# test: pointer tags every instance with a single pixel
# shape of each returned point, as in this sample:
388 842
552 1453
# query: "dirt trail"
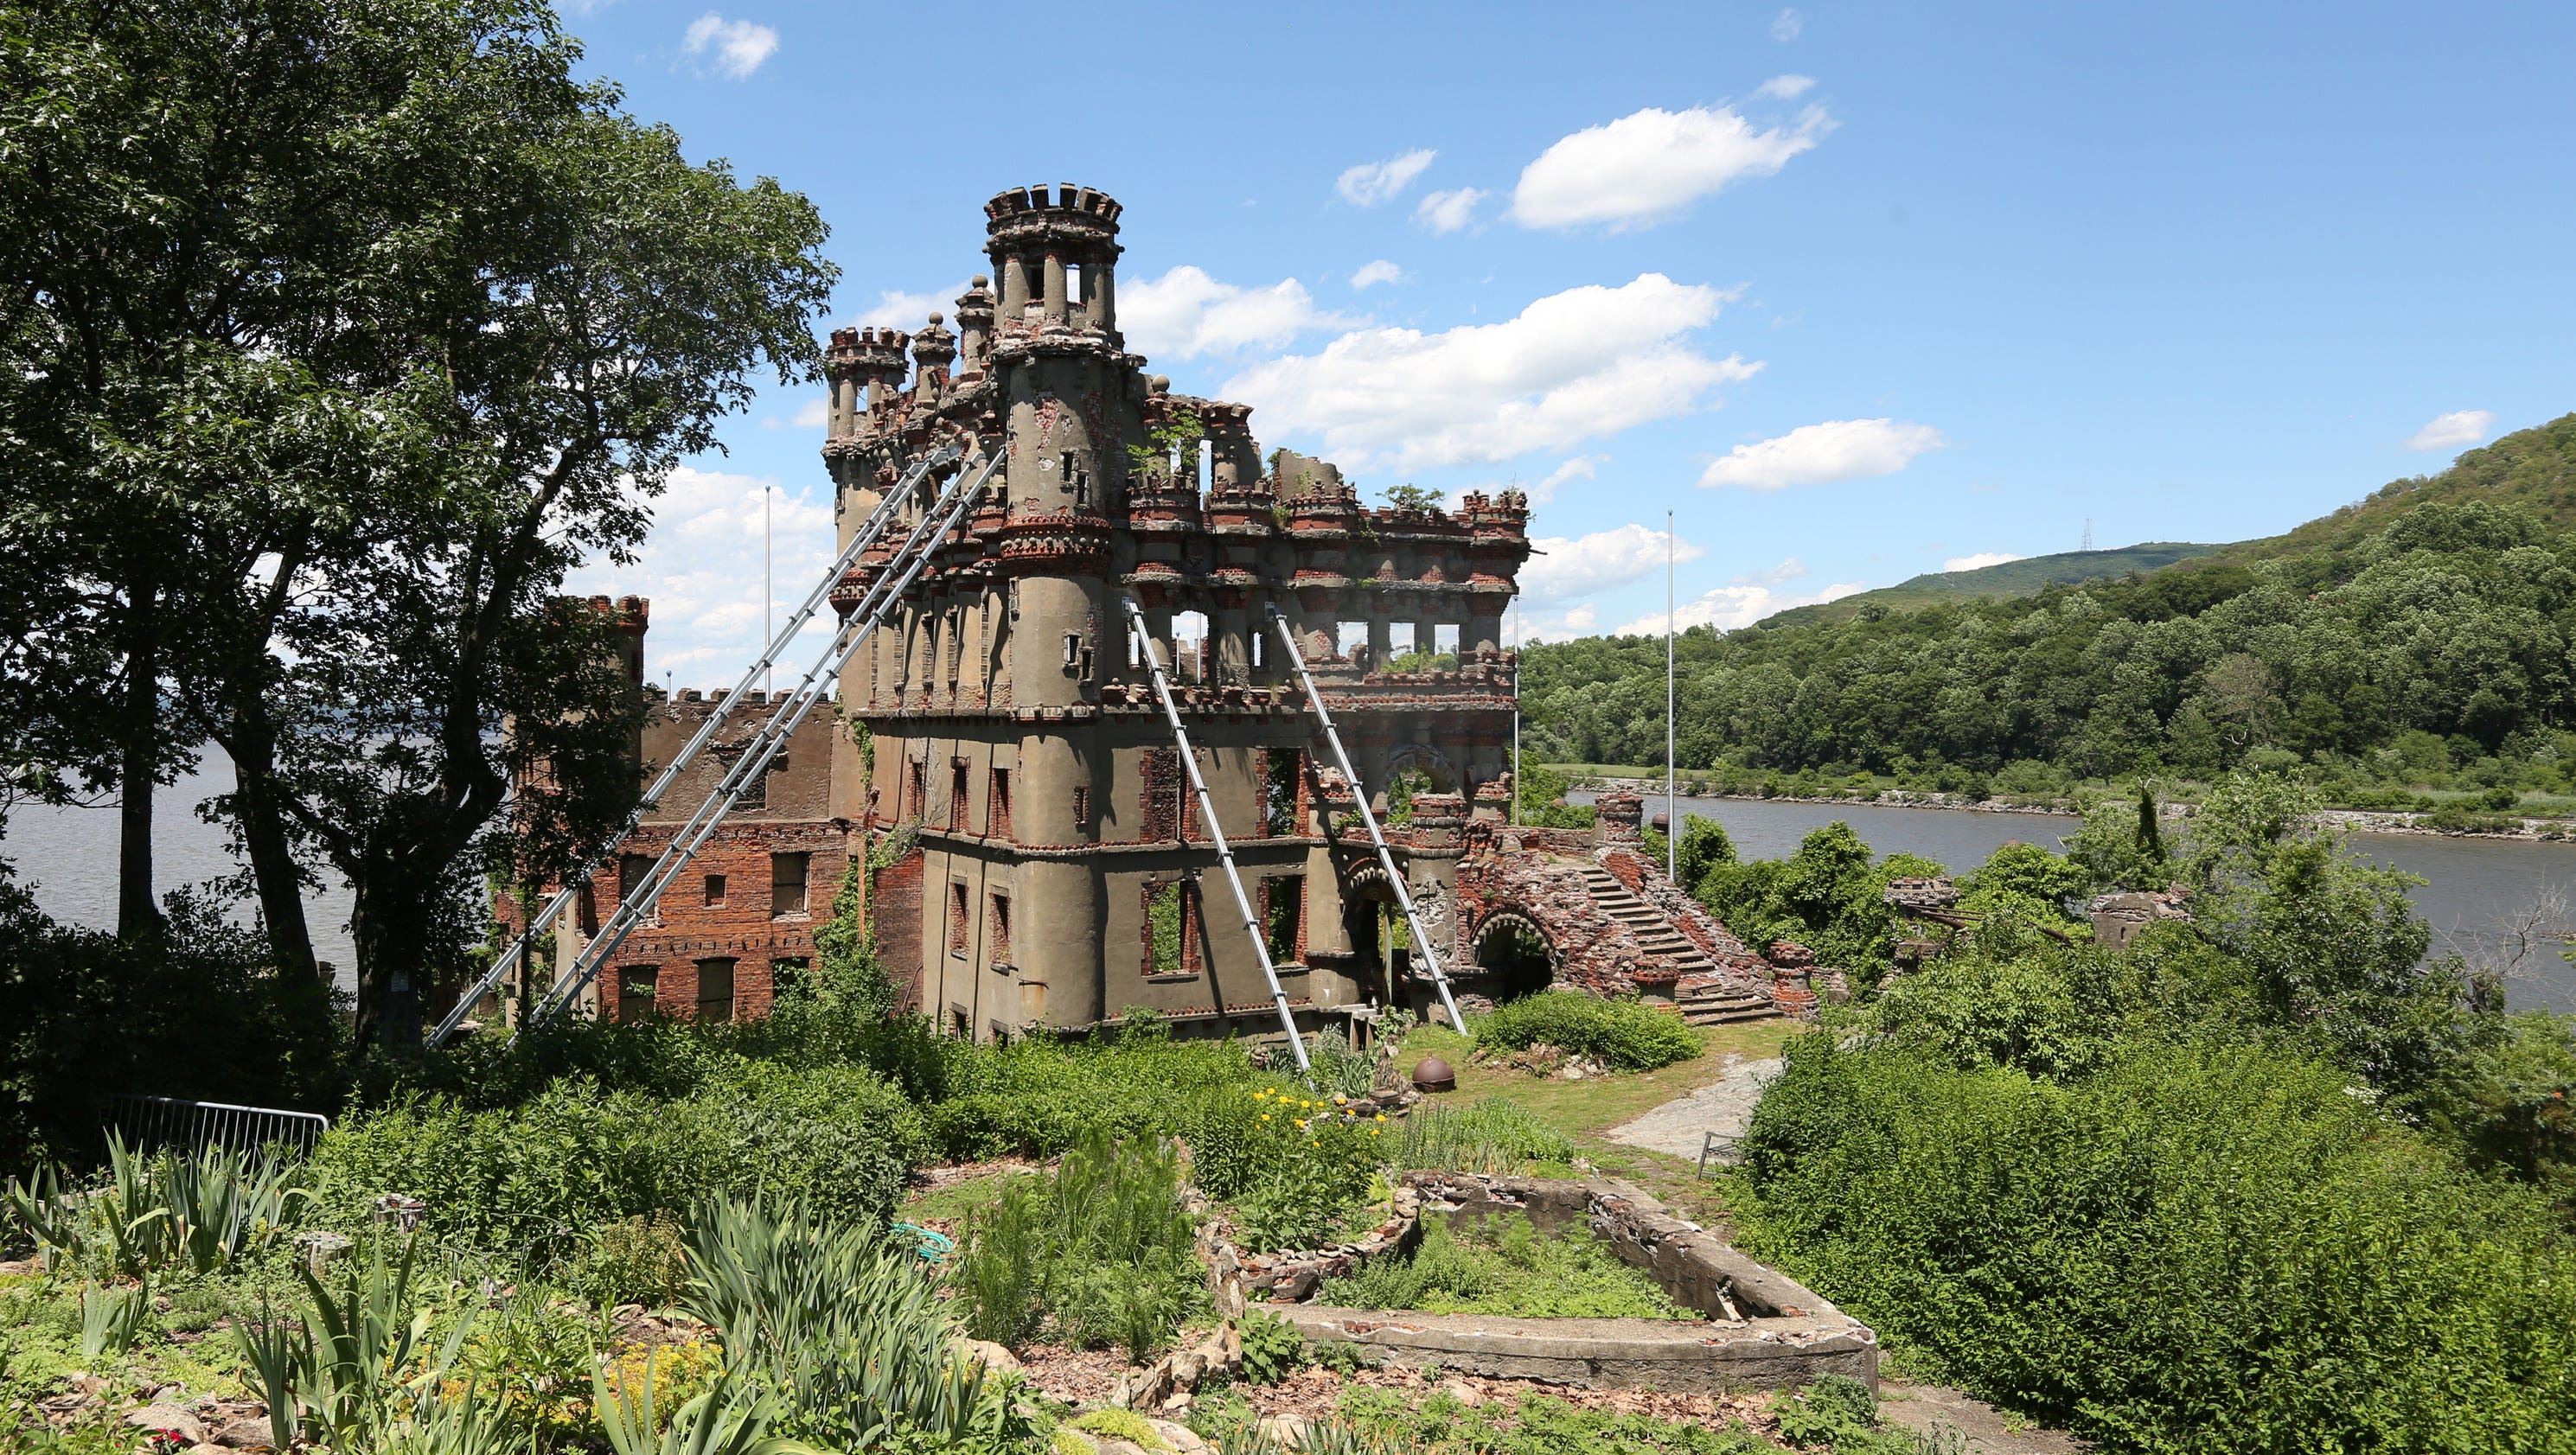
1680 1127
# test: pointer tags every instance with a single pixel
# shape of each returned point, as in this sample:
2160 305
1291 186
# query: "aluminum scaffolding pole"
1359 795
1224 851
884 515
785 717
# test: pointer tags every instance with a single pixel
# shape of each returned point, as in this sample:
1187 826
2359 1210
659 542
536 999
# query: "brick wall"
895 913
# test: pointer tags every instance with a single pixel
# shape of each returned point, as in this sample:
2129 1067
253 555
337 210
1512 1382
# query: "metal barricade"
164 1121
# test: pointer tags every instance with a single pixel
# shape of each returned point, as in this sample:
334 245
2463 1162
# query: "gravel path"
1680 1127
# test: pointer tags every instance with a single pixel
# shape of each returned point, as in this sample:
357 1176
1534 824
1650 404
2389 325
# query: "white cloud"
1789 569
1372 274
1186 313
908 311
1730 607
1583 364
1822 454
1371 183
1785 26
1448 211
700 567
1581 467
739 45
814 414
1644 167
1785 88
1562 570
1979 561
2459 427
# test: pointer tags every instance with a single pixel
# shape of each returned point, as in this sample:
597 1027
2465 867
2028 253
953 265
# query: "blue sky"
1858 291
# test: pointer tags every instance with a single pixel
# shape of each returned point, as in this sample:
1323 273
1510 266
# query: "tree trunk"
392 940
272 864
138 912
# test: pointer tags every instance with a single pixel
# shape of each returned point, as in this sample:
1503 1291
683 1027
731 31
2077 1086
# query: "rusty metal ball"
1434 1075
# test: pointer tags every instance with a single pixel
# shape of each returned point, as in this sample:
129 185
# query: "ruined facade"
1037 861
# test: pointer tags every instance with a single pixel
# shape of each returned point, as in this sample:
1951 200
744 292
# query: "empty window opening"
791 977
957 796
1082 808
1283 915
1073 649
1073 284
1261 651
997 805
1351 639
632 871
715 891
588 913
1135 650
1399 638
1203 462
1444 641
1283 771
959 1025
635 988
787 874
1166 927
715 990
1001 930
917 791
1077 480
958 928
1190 646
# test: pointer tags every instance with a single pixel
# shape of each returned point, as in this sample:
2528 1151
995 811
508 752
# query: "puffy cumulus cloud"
1979 561
1786 25
1562 570
700 567
1371 183
1581 467
2459 427
735 48
814 414
895 308
1448 211
1730 607
1582 364
1789 569
1185 313
1785 88
1649 165
1823 454
1372 274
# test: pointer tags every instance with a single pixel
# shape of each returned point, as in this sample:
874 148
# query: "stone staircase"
1713 998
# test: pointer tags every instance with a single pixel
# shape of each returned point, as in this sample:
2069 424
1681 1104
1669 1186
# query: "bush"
1294 1164
1493 1134
1502 1266
574 1158
1617 1033
2194 1249
1103 1249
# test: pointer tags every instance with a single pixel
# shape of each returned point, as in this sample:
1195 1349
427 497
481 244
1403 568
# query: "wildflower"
1339 1099
1265 1116
1372 1131
1314 1144
1381 1116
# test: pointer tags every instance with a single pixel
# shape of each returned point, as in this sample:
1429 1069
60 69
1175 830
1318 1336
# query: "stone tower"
1043 864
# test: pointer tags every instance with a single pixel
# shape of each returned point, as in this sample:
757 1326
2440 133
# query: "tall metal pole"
768 590
1517 647
1207 811
1360 797
1672 809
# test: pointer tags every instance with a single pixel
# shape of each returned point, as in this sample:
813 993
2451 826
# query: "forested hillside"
2010 578
2418 638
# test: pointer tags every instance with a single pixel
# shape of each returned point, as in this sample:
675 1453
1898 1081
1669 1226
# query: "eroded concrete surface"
1680 1127
1924 1407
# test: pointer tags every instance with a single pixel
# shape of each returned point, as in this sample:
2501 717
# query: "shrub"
1272 1348
1618 1033
1293 1163
2195 1249
1103 1249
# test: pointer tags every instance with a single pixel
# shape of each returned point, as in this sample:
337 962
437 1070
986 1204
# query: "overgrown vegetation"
1619 1033
2245 1186
1501 1265
1099 1253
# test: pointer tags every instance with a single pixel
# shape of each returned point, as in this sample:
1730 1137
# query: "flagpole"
768 590
1516 711
1672 809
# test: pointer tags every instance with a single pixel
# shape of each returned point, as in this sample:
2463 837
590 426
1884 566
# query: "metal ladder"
885 514
1359 796
1207 812
787 714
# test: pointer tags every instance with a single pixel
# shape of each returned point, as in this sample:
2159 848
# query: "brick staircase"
1706 1003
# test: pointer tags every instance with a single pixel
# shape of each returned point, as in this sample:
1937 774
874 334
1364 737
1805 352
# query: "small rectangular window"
791 977
997 805
715 990
632 871
1166 926
957 796
959 1025
1283 771
1001 930
1073 649
635 987
1082 807
787 884
917 790
1283 914
1261 651
715 891
958 927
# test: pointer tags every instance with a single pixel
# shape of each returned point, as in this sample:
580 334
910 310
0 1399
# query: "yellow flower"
1314 1144
1372 1131
1339 1099
1265 1116
1381 1116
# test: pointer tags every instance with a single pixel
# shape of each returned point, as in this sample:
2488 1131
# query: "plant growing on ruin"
1618 1033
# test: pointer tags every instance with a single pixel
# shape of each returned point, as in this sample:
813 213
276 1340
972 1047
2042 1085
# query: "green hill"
2012 578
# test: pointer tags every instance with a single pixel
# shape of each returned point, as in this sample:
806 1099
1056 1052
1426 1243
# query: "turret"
1057 256
975 323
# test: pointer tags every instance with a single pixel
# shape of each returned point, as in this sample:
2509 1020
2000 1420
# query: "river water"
68 856
2470 885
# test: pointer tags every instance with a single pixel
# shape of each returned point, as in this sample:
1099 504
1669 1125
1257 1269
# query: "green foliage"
1618 1033
1501 1265
1827 896
1163 921
852 975
2438 611
1272 1348
90 1018
1293 1164
189 1212
1412 497
1338 1067
1492 1134
1540 796
2192 1248
839 1321
1375 1420
1102 1249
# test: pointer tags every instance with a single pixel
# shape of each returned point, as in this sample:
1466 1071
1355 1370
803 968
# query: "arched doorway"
1513 956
